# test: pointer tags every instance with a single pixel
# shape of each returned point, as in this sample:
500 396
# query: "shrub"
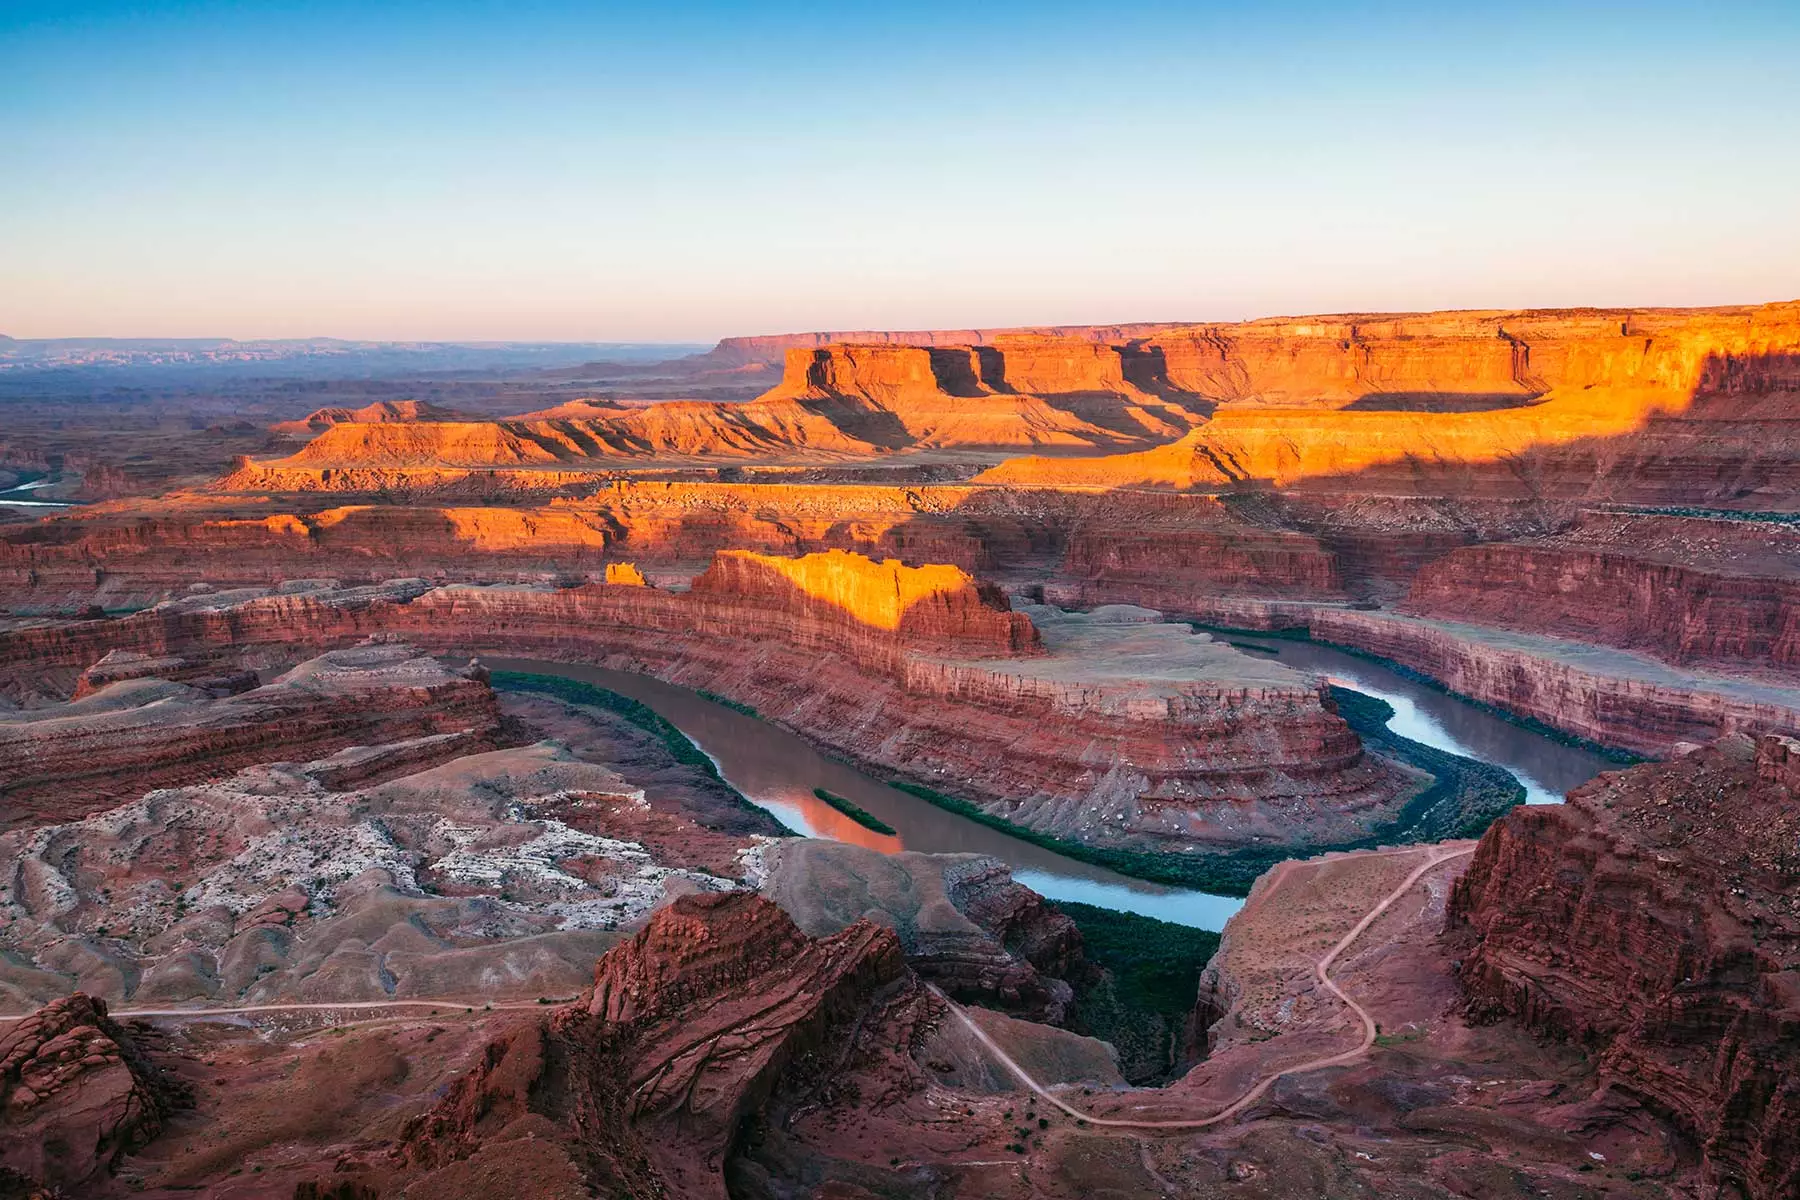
855 812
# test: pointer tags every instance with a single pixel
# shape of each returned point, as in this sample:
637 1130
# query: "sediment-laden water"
779 771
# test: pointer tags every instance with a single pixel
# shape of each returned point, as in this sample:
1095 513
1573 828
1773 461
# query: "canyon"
1110 727
286 803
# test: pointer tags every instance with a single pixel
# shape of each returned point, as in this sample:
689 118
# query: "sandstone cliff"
1685 589
381 412
1613 697
929 608
961 919
1668 407
1653 918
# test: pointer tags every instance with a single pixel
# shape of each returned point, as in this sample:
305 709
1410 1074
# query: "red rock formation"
1677 407
1132 732
771 349
204 674
381 412
1162 551
76 1095
1723 593
647 1080
839 602
62 762
962 920
1114 537
1611 697
1654 919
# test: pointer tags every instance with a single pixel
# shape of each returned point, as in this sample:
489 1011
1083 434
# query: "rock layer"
1122 730
1688 590
65 761
1611 697
962 920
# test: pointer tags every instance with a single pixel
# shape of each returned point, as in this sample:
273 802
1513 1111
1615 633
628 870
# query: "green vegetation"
1227 874
855 812
1531 724
1465 796
728 702
1155 964
1463 799
1143 999
679 746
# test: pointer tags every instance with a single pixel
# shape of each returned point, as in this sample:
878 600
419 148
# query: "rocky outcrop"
1664 408
647 1081
1613 698
381 412
204 673
77 1095
64 761
1653 918
962 921
497 874
838 601
1016 391
772 349
1504 401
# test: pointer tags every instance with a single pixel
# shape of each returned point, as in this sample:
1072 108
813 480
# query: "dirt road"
1320 971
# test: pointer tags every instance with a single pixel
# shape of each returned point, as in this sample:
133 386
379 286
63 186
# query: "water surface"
779 770
1548 768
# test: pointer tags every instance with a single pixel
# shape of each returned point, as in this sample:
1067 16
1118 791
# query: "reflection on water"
779 771
1546 767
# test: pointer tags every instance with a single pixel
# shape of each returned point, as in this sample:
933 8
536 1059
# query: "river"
1548 768
779 770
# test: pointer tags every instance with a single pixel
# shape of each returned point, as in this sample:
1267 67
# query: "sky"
683 171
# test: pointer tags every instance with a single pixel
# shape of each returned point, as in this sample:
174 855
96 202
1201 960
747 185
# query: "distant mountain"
316 357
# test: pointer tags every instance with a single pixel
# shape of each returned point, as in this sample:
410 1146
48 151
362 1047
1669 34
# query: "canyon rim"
880 725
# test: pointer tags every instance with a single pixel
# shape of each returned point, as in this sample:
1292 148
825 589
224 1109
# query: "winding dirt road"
1320 972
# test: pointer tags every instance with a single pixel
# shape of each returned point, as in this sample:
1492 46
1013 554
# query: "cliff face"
381 412
646 1081
833 595
1125 731
1685 590
1653 918
1671 408
770 349
65 761
962 920
1615 698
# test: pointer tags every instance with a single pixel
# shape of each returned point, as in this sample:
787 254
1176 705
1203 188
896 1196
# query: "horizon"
841 331
563 173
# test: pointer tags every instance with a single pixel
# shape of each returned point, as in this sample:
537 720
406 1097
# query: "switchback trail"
1320 972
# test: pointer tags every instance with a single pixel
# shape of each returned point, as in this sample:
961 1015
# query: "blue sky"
684 171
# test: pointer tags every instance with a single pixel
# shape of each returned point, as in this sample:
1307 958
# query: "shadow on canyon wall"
1440 402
